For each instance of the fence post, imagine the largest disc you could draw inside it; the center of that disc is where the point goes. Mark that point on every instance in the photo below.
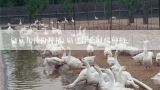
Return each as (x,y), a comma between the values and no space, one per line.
(111,17)
(74,10)
(159,12)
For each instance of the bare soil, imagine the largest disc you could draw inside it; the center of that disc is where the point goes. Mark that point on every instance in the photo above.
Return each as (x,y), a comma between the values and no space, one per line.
(117,24)
(137,71)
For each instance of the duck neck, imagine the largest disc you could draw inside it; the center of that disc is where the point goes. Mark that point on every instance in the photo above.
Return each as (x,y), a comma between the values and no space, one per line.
(64,53)
(100,74)
(116,58)
(120,75)
(145,48)
(111,75)
(116,54)
(69,53)
(110,54)
(88,68)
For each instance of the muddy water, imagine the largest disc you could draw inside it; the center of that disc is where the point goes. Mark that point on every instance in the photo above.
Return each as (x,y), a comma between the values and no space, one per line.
(25,72)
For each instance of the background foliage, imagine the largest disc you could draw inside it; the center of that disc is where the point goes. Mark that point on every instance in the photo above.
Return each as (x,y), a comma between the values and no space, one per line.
(36,6)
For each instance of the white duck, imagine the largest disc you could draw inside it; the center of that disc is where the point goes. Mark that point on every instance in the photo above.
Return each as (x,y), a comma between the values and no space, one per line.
(53,61)
(89,74)
(72,20)
(131,50)
(82,76)
(89,59)
(158,58)
(59,30)
(65,20)
(21,43)
(96,18)
(9,27)
(20,22)
(144,56)
(90,49)
(56,49)
(123,76)
(14,42)
(138,58)
(52,28)
(114,18)
(111,84)
(35,23)
(147,58)
(156,79)
(110,58)
(116,63)
(122,44)
(45,30)
(50,63)
(107,50)
(24,32)
(72,61)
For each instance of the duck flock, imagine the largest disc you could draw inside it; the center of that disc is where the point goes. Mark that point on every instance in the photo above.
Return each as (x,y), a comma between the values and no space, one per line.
(115,77)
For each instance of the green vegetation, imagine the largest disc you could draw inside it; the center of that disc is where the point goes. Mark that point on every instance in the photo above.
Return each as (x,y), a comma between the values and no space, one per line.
(67,7)
(36,6)
(130,5)
(145,11)
(9,3)
(108,5)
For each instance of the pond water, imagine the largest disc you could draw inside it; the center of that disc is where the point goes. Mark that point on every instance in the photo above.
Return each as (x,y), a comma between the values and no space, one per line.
(24,72)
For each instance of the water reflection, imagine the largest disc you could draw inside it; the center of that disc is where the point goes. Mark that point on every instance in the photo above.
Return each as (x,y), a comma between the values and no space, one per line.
(24,72)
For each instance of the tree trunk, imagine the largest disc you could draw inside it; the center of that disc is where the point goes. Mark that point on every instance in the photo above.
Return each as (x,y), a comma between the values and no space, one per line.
(131,18)
(30,19)
(145,12)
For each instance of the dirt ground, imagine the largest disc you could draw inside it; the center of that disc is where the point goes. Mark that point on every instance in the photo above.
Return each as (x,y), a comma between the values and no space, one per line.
(137,71)
(117,24)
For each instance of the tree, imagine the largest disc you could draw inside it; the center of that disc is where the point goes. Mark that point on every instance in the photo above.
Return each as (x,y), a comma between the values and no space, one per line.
(130,5)
(51,1)
(18,2)
(68,6)
(36,6)
(6,3)
(3,3)
(108,11)
(145,11)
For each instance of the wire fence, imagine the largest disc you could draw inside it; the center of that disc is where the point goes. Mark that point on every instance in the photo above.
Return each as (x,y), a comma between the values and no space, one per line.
(86,19)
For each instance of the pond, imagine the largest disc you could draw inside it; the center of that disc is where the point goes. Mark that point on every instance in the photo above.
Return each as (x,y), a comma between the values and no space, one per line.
(24,72)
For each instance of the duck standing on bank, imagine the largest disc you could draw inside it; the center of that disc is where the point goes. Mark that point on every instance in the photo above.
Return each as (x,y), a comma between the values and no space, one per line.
(145,57)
